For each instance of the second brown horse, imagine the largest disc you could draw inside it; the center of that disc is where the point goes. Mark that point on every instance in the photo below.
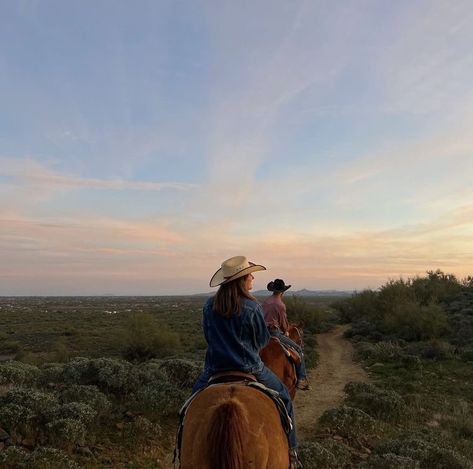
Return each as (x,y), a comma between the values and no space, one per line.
(277,360)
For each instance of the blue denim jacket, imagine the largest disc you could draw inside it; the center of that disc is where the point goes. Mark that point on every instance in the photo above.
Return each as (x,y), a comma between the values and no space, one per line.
(234,343)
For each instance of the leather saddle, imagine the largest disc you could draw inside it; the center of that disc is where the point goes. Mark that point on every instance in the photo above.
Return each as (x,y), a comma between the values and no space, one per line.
(291,353)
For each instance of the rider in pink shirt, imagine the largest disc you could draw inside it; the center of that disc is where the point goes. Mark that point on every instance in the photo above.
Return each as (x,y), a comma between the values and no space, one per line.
(275,317)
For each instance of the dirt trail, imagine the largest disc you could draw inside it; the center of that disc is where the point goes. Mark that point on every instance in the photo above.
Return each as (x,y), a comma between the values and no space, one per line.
(335,369)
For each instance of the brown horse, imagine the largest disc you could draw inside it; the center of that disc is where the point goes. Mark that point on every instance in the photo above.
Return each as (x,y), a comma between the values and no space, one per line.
(276,358)
(233,426)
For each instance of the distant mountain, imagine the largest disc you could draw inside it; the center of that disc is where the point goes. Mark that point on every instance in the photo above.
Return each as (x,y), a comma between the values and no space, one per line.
(305,292)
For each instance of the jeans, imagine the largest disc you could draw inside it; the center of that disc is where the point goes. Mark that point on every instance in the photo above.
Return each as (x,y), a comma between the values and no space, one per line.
(270,380)
(300,368)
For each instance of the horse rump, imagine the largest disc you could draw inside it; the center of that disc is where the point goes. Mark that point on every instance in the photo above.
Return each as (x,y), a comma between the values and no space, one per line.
(229,427)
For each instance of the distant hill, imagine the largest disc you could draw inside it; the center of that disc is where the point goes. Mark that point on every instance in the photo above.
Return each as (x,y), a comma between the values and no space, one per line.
(305,292)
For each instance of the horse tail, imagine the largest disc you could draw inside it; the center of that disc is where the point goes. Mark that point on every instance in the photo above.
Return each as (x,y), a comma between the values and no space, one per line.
(229,427)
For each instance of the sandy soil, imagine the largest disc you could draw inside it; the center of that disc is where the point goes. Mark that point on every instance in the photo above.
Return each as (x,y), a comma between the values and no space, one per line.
(336,368)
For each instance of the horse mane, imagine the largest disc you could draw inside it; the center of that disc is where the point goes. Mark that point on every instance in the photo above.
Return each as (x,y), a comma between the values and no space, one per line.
(228,428)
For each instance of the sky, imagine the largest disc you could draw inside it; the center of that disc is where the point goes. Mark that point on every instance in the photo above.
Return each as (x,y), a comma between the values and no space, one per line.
(143,143)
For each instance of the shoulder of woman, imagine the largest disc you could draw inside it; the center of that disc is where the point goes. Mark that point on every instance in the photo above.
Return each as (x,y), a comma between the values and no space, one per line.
(209,303)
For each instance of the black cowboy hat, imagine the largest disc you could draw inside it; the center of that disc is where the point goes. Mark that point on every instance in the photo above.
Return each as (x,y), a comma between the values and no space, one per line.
(278,286)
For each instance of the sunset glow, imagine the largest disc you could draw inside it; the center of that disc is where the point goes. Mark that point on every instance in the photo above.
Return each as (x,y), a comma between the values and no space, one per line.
(332,143)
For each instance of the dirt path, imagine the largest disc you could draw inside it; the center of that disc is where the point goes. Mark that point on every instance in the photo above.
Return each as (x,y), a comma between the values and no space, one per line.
(336,368)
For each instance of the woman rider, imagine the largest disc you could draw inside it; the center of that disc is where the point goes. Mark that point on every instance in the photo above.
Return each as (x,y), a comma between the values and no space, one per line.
(235,332)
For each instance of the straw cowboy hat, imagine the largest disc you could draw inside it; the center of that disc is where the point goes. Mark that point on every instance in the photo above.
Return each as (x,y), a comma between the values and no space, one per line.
(278,285)
(233,268)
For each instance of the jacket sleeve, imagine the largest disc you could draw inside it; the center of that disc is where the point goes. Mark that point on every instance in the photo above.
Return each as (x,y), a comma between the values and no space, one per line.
(260,331)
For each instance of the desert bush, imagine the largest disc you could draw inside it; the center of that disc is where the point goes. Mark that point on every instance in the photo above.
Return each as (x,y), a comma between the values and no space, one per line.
(150,372)
(73,410)
(327,454)
(180,372)
(436,287)
(361,305)
(380,352)
(76,371)
(50,458)
(18,373)
(412,321)
(364,328)
(161,399)
(426,453)
(313,456)
(13,457)
(348,422)
(23,412)
(17,420)
(51,373)
(467,355)
(301,312)
(379,403)
(10,346)
(144,338)
(434,349)
(66,433)
(141,431)
(38,402)
(389,461)
(110,375)
(87,394)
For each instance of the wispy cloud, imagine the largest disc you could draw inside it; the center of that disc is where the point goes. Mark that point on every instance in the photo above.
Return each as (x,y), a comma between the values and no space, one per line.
(34,173)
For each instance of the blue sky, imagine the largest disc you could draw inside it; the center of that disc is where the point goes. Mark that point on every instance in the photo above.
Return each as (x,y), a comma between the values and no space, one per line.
(142,143)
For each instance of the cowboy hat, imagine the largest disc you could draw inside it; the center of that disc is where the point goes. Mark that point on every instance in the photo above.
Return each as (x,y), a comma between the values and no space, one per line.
(233,268)
(278,286)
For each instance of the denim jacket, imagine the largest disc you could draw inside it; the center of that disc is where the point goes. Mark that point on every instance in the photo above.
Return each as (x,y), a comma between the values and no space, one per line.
(234,343)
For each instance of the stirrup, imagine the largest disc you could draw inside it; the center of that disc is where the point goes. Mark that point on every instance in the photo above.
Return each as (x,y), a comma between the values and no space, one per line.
(294,462)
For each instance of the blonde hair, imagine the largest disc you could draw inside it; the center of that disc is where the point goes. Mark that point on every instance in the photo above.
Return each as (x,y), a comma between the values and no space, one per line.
(227,299)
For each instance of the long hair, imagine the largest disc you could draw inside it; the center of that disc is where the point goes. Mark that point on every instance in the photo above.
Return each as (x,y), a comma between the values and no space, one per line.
(227,300)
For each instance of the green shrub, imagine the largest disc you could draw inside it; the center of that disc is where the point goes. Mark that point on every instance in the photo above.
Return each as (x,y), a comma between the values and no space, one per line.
(17,419)
(150,372)
(379,403)
(390,461)
(66,433)
(13,457)
(326,454)
(426,453)
(23,412)
(180,372)
(87,394)
(301,312)
(161,399)
(385,352)
(38,402)
(110,375)
(10,346)
(50,458)
(73,410)
(412,321)
(51,373)
(18,373)
(434,349)
(348,422)
(141,432)
(144,338)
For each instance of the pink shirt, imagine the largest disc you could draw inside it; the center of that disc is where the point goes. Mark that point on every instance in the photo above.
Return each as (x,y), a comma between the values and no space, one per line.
(275,313)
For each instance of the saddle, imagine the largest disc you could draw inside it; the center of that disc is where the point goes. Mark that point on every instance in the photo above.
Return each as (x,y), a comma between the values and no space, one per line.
(291,353)
(231,377)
